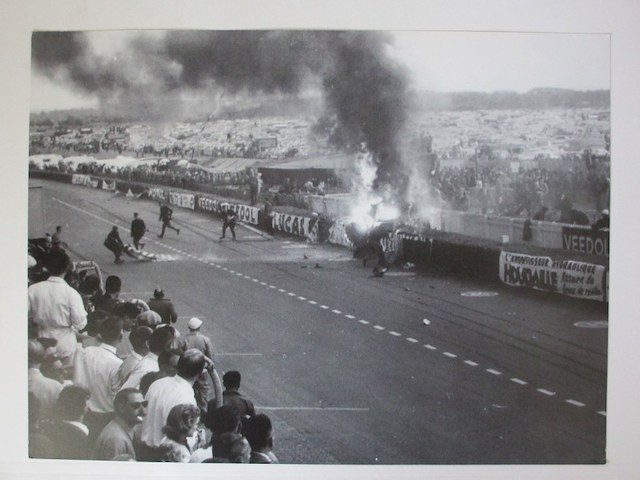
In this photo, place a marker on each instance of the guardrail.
(488, 262)
(492, 227)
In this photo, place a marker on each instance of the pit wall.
(503, 230)
(575, 279)
(494, 263)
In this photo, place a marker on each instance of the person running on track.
(165, 216)
(229, 222)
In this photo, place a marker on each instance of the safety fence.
(504, 230)
(567, 277)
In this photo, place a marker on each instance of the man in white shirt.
(165, 393)
(96, 369)
(159, 340)
(46, 390)
(139, 338)
(56, 309)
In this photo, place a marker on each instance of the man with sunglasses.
(116, 441)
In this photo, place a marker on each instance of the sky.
(465, 61)
(437, 61)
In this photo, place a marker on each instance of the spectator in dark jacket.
(231, 395)
(163, 306)
(259, 433)
(138, 229)
(114, 243)
(68, 434)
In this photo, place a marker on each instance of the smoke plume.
(151, 77)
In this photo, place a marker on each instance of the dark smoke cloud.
(254, 61)
(369, 94)
(51, 50)
(362, 87)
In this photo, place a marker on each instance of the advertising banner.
(586, 240)
(412, 236)
(156, 193)
(574, 279)
(184, 200)
(209, 205)
(246, 213)
(109, 185)
(293, 224)
(78, 179)
(389, 243)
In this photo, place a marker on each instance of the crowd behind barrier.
(499, 190)
(489, 188)
(111, 378)
(330, 209)
(327, 224)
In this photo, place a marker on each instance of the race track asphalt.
(411, 368)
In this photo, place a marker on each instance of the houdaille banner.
(568, 277)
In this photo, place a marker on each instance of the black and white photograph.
(319, 246)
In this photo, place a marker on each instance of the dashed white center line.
(546, 392)
(471, 363)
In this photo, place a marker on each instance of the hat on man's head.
(149, 319)
(158, 293)
(194, 323)
(605, 212)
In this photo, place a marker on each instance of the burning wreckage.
(364, 90)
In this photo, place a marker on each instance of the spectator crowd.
(492, 189)
(111, 378)
(499, 190)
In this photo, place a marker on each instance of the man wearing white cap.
(207, 385)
